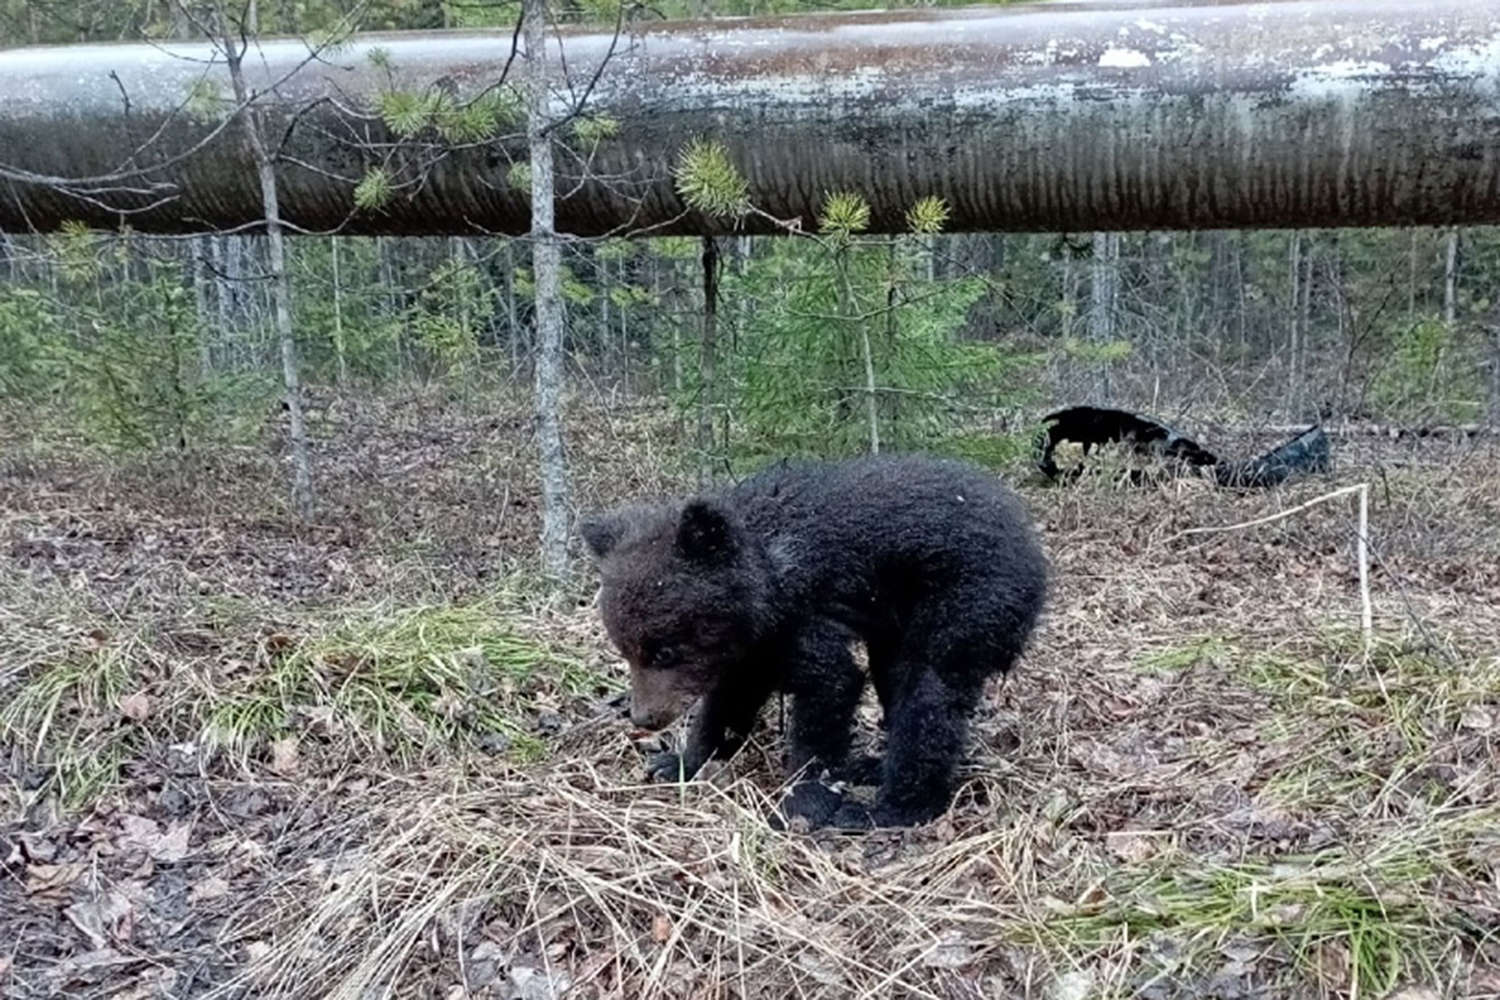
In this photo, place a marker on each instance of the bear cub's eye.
(660, 657)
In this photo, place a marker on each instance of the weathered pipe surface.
(1063, 117)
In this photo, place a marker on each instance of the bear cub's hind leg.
(929, 729)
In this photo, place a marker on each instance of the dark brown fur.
(729, 598)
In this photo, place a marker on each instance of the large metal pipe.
(1052, 117)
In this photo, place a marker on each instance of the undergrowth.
(402, 685)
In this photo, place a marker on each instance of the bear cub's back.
(881, 501)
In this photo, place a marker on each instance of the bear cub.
(728, 598)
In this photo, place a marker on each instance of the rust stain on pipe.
(1048, 117)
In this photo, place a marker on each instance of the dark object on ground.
(1305, 453)
(1093, 425)
(766, 586)
(1395, 432)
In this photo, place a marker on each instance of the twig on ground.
(1367, 613)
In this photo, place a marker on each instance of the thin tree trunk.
(338, 318)
(733, 346)
(872, 405)
(1069, 300)
(1450, 281)
(223, 289)
(743, 308)
(606, 323)
(1347, 335)
(862, 331)
(678, 312)
(546, 263)
(1102, 295)
(623, 313)
(1411, 278)
(892, 327)
(198, 248)
(1450, 313)
(458, 252)
(1304, 323)
(1294, 264)
(1239, 281)
(1495, 378)
(513, 332)
(677, 354)
(1184, 324)
(393, 304)
(1344, 332)
(707, 351)
(281, 286)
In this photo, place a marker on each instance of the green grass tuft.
(406, 683)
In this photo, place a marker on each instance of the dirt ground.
(366, 758)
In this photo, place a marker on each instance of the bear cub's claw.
(860, 771)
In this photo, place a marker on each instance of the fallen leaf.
(1333, 964)
(4, 965)
(1416, 993)
(135, 707)
(1242, 952)
(1477, 717)
(278, 642)
(138, 831)
(70, 968)
(485, 962)
(951, 952)
(821, 968)
(151, 984)
(102, 918)
(1075, 985)
(212, 887)
(1283, 914)
(144, 834)
(488, 951)
(45, 878)
(173, 845)
(284, 756)
(661, 928)
(534, 984)
(1091, 898)
(1130, 845)
(39, 848)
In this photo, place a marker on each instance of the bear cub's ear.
(602, 532)
(705, 534)
(599, 535)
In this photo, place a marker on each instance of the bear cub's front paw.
(668, 767)
(806, 806)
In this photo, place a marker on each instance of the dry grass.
(358, 760)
